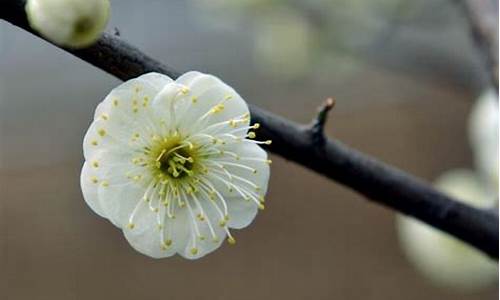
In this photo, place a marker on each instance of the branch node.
(317, 128)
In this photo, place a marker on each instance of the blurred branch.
(379, 182)
(483, 22)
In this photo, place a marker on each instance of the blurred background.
(405, 75)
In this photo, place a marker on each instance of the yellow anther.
(232, 123)
(104, 116)
(101, 132)
(94, 179)
(222, 223)
(268, 142)
(95, 164)
(160, 227)
(231, 240)
(202, 238)
(256, 126)
(130, 225)
(218, 108)
(168, 243)
(194, 99)
(228, 97)
(105, 183)
(261, 206)
(135, 109)
(137, 88)
(155, 209)
(251, 135)
(194, 251)
(94, 143)
(184, 90)
(254, 171)
(115, 102)
(269, 161)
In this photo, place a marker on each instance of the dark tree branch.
(377, 181)
(483, 22)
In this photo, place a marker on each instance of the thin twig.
(318, 125)
(379, 182)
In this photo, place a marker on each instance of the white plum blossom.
(483, 136)
(442, 258)
(71, 23)
(174, 164)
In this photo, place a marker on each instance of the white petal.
(118, 201)
(118, 192)
(150, 239)
(180, 229)
(89, 184)
(188, 77)
(167, 105)
(207, 243)
(253, 156)
(242, 211)
(203, 93)
(128, 107)
(100, 136)
(157, 80)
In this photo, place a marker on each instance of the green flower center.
(177, 164)
(172, 157)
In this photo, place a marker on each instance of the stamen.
(237, 165)
(207, 220)
(222, 200)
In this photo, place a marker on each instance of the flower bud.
(70, 23)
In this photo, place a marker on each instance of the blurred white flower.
(71, 23)
(440, 257)
(173, 163)
(483, 135)
(284, 43)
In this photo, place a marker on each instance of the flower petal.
(211, 233)
(200, 94)
(127, 109)
(89, 184)
(243, 211)
(122, 185)
(152, 230)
